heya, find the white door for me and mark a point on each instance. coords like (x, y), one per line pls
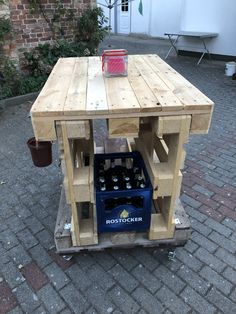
(124, 17)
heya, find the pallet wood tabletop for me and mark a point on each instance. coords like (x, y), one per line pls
(77, 88)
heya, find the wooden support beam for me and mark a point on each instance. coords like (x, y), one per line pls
(126, 127)
(44, 130)
(78, 129)
(69, 170)
(200, 123)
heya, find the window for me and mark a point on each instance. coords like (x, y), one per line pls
(124, 5)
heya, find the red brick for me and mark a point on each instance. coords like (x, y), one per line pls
(7, 299)
(227, 212)
(211, 213)
(61, 262)
(34, 276)
(226, 202)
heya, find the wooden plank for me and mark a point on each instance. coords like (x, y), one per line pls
(53, 95)
(181, 235)
(78, 129)
(96, 92)
(200, 123)
(159, 229)
(147, 100)
(188, 94)
(44, 130)
(166, 125)
(81, 184)
(163, 94)
(77, 93)
(128, 127)
(120, 96)
(69, 170)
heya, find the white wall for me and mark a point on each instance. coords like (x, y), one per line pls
(165, 16)
(140, 23)
(214, 16)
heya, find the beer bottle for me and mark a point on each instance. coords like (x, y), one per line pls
(128, 186)
(103, 187)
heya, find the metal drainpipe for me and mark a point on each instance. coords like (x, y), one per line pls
(115, 20)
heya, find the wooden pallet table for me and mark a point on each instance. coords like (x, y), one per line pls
(154, 109)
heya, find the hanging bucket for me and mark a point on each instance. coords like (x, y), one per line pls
(41, 152)
(230, 68)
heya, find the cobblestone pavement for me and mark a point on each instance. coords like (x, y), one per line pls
(33, 279)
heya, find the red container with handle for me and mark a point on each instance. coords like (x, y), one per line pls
(115, 62)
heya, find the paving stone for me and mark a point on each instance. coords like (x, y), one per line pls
(27, 298)
(227, 257)
(190, 201)
(190, 246)
(147, 279)
(233, 296)
(223, 242)
(202, 190)
(142, 255)
(74, 298)
(19, 255)
(16, 310)
(215, 181)
(40, 256)
(229, 223)
(40, 310)
(195, 214)
(217, 280)
(125, 259)
(210, 259)
(169, 279)
(92, 311)
(98, 276)
(172, 301)
(12, 275)
(34, 224)
(56, 276)
(230, 274)
(147, 300)
(50, 223)
(218, 227)
(45, 239)
(123, 300)
(193, 279)
(197, 302)
(34, 276)
(51, 299)
(124, 278)
(7, 299)
(8, 239)
(61, 262)
(85, 260)
(104, 259)
(189, 260)
(27, 239)
(4, 256)
(204, 242)
(15, 223)
(79, 277)
(100, 300)
(200, 227)
(219, 300)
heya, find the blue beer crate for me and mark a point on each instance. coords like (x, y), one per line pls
(128, 207)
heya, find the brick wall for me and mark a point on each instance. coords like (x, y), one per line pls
(30, 29)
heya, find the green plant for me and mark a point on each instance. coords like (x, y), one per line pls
(5, 28)
(90, 27)
(41, 59)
